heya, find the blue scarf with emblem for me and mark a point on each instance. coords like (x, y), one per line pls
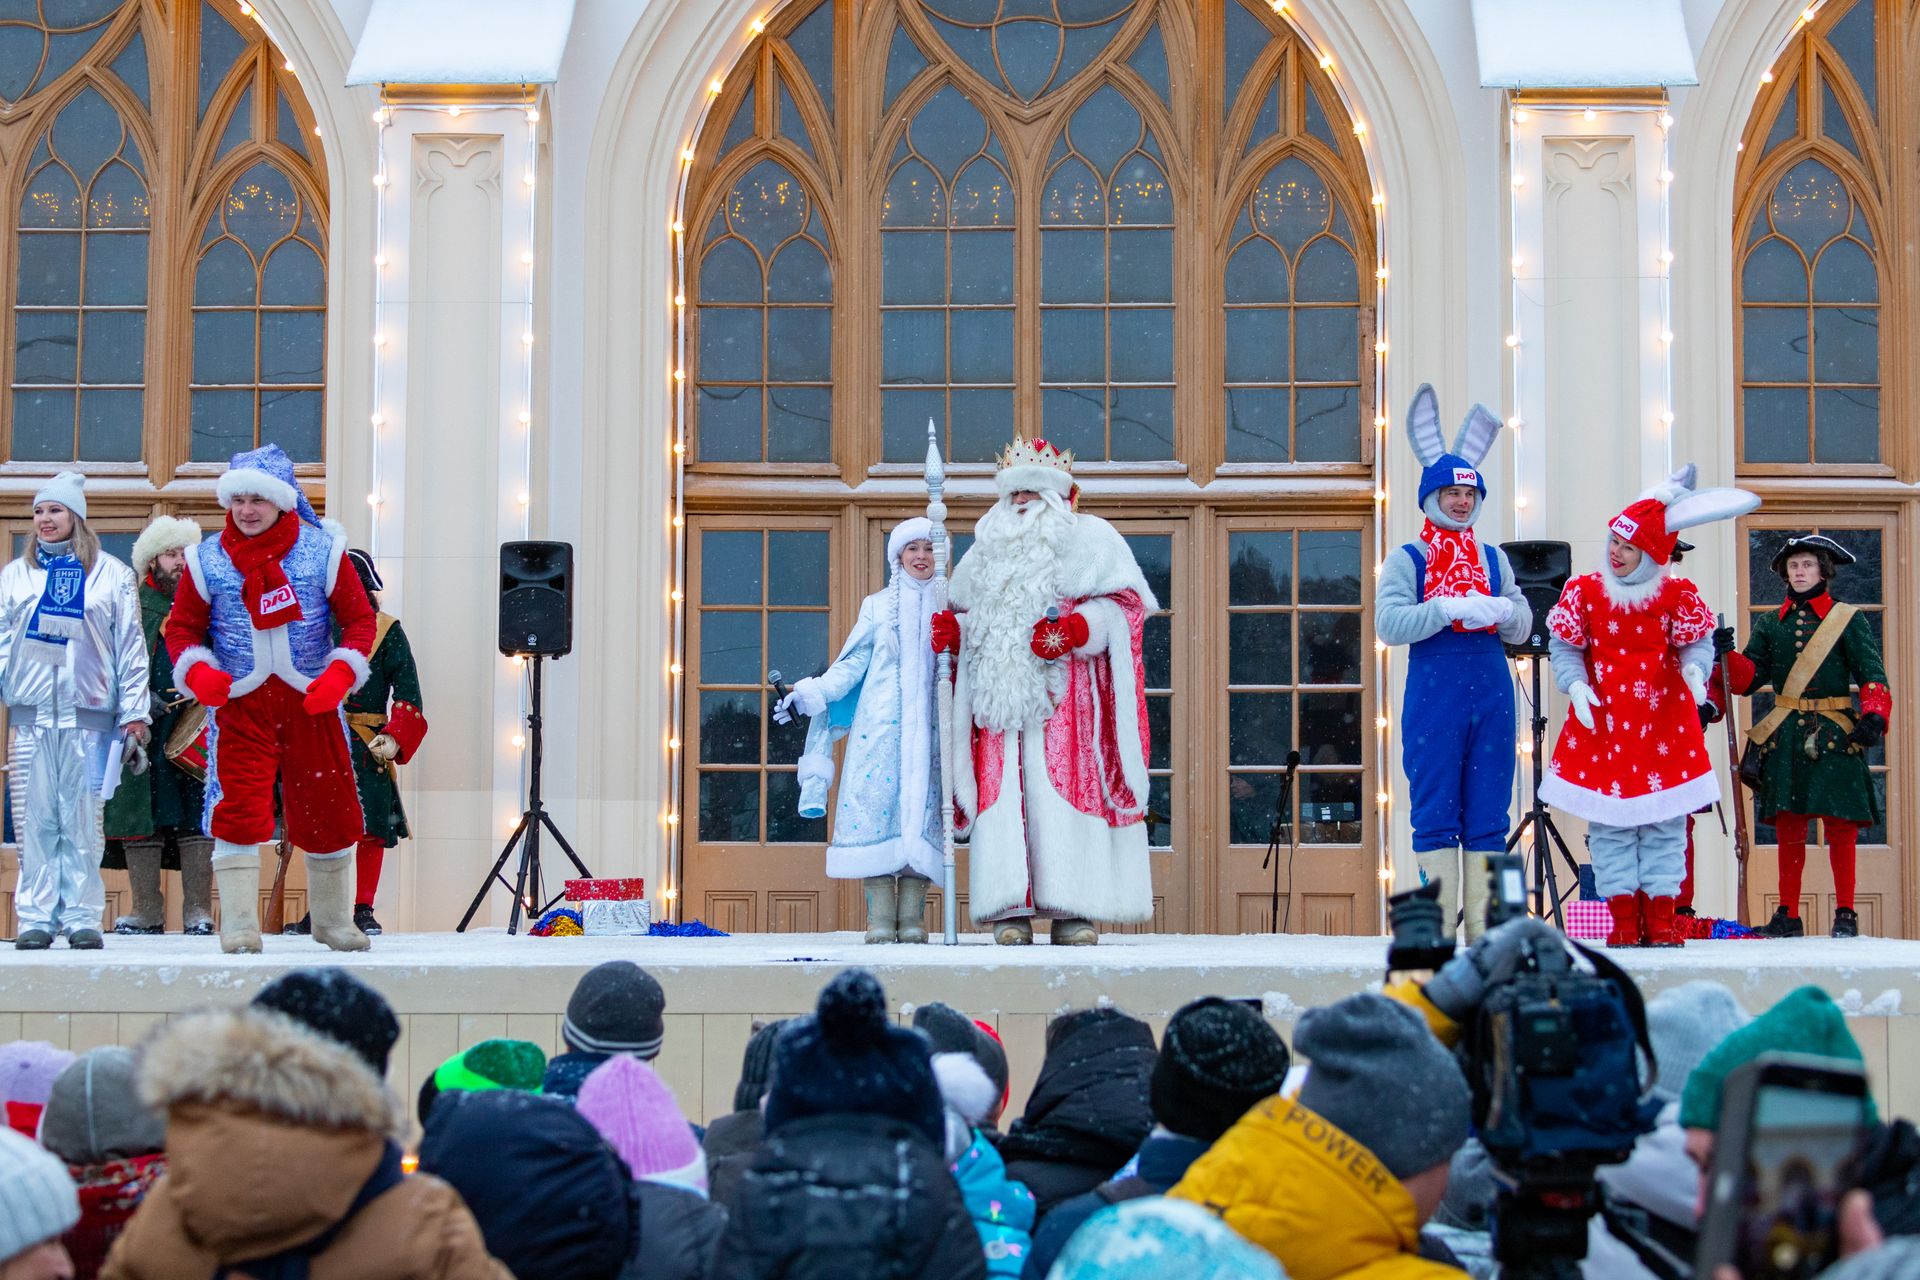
(57, 618)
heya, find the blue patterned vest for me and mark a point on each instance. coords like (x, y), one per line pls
(236, 645)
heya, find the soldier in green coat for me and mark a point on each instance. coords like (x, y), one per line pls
(1813, 743)
(386, 725)
(154, 820)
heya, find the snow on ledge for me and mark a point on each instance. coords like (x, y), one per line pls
(1580, 44)
(462, 42)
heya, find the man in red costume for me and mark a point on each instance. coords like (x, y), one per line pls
(1049, 708)
(251, 636)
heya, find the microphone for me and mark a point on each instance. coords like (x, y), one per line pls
(779, 686)
(1282, 807)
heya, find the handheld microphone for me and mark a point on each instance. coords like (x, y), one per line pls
(779, 686)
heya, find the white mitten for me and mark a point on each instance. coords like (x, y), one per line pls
(804, 699)
(1478, 611)
(1452, 608)
(1583, 700)
(1696, 683)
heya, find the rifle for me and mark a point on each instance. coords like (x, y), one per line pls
(1739, 805)
(276, 921)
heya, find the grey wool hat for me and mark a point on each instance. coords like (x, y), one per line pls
(96, 1113)
(1377, 1073)
(1685, 1023)
(37, 1197)
(617, 1007)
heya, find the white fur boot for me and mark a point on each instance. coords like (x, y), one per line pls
(330, 901)
(239, 884)
(1444, 865)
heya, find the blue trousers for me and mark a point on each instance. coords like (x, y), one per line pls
(1652, 856)
(1457, 741)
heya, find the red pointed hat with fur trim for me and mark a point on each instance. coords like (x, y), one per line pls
(1653, 521)
(1644, 524)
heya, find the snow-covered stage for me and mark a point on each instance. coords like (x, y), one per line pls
(453, 989)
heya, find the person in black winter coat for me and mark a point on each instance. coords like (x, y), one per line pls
(1218, 1058)
(733, 1140)
(551, 1197)
(852, 1178)
(1089, 1110)
(635, 1112)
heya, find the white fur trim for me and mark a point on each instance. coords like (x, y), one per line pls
(1035, 477)
(197, 656)
(253, 481)
(1098, 562)
(334, 530)
(815, 766)
(197, 573)
(166, 533)
(1630, 811)
(1108, 633)
(964, 1085)
(885, 858)
(355, 659)
(1631, 596)
(966, 790)
(907, 531)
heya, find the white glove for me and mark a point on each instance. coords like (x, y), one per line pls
(1583, 700)
(804, 699)
(1696, 683)
(1477, 612)
(383, 747)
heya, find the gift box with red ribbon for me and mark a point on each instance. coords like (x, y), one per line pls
(613, 890)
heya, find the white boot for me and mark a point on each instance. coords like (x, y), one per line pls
(239, 885)
(330, 901)
(1443, 865)
(1479, 891)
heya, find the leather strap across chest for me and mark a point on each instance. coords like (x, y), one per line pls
(1790, 697)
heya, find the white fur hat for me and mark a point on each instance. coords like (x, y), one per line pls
(907, 531)
(166, 533)
(1034, 465)
(69, 489)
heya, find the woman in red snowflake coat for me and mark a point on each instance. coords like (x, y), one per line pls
(1631, 647)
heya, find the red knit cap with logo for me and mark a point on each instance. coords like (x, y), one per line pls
(1644, 524)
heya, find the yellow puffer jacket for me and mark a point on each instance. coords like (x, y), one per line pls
(1312, 1197)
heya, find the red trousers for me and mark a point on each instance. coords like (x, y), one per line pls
(1791, 831)
(367, 858)
(266, 735)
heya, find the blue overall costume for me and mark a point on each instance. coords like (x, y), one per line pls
(1457, 731)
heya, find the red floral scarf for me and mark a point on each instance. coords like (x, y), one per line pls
(269, 596)
(1453, 564)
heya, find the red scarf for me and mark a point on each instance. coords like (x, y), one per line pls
(269, 596)
(1453, 565)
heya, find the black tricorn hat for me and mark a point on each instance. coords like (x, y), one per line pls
(1830, 552)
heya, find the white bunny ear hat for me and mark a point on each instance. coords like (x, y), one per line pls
(1653, 521)
(1441, 466)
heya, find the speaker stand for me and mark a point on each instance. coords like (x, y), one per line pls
(526, 836)
(1546, 892)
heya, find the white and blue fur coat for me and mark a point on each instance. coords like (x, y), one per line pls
(880, 698)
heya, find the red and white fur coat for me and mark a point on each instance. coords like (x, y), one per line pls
(1052, 776)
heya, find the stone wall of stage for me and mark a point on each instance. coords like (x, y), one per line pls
(451, 991)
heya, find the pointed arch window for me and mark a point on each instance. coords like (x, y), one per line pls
(225, 173)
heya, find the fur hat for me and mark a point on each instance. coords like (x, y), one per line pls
(69, 489)
(907, 531)
(849, 1058)
(1036, 466)
(1217, 1059)
(266, 472)
(166, 533)
(617, 1007)
(38, 1200)
(635, 1112)
(96, 1113)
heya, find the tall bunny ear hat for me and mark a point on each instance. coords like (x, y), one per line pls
(1441, 466)
(1653, 521)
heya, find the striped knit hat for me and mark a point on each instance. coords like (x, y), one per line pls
(616, 1008)
(37, 1198)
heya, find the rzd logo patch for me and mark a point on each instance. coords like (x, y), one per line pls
(277, 599)
(1625, 526)
(1466, 476)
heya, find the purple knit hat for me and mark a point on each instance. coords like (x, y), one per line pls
(28, 1069)
(631, 1106)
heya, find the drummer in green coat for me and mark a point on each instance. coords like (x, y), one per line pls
(386, 725)
(1813, 743)
(154, 820)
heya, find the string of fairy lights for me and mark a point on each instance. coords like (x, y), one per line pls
(676, 533)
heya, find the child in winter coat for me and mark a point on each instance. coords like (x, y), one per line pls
(1631, 648)
(1454, 603)
(114, 1146)
(1001, 1209)
(1088, 1112)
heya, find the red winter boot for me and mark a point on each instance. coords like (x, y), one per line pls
(1660, 930)
(1626, 920)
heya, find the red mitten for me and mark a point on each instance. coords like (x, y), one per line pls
(946, 632)
(209, 685)
(328, 690)
(1057, 637)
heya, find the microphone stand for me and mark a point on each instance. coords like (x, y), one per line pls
(1282, 815)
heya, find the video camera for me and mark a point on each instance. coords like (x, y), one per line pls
(1552, 1056)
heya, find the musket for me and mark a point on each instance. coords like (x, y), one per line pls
(276, 921)
(1739, 803)
(943, 684)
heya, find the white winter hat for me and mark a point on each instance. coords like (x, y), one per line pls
(69, 489)
(37, 1197)
(166, 533)
(907, 531)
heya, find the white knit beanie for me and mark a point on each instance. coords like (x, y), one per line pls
(1685, 1024)
(37, 1198)
(69, 489)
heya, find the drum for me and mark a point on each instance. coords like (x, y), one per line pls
(187, 744)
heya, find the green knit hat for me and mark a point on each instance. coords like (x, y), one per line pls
(1805, 1021)
(494, 1064)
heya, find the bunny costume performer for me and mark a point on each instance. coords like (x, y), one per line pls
(879, 695)
(1454, 603)
(1631, 652)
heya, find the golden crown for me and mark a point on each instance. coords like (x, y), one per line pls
(1035, 453)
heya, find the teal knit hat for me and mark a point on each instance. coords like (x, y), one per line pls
(1805, 1021)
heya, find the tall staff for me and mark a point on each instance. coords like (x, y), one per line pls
(943, 681)
(1739, 797)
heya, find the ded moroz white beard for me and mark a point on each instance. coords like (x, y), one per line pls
(1015, 566)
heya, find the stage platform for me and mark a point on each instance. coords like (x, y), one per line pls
(451, 990)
